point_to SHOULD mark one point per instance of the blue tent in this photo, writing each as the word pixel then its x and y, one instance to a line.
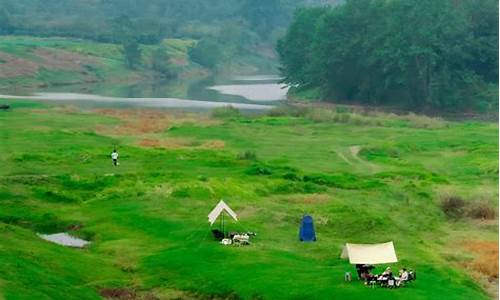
pixel 306 233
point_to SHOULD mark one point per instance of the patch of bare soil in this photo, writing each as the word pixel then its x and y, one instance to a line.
pixel 118 293
pixel 135 122
pixel 13 66
pixel 63 60
pixel 486 258
pixel 48 58
pixel 171 143
pixel 355 150
pixel 146 121
pixel 484 264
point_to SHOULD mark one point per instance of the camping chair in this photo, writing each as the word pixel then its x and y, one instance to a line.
pixel 391 283
pixel 218 235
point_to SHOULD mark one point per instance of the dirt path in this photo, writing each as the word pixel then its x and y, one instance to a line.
pixel 351 157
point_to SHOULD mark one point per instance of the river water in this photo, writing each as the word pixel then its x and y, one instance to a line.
pixel 258 92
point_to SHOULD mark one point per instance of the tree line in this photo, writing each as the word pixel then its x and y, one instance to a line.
pixel 423 54
pixel 224 28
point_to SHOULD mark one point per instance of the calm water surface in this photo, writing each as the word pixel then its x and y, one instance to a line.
pixel 258 92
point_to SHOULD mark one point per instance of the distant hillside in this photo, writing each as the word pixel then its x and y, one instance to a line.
pixel 28 61
pixel 233 33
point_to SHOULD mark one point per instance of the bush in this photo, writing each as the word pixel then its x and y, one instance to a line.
pixel 247 155
pixel 481 210
pixel 321 115
pixel 421 121
pixel 226 112
pixel 258 170
pixel 291 176
pixel 453 206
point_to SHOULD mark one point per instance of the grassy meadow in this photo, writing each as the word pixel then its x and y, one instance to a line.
pixel 363 177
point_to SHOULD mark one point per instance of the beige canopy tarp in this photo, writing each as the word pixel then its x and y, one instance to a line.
pixel 215 213
pixel 370 253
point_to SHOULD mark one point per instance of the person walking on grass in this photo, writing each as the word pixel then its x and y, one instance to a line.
pixel 114 157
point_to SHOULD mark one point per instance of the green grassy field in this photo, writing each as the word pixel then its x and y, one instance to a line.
pixel 363 178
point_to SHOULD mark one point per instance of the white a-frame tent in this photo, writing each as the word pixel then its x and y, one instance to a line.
pixel 219 210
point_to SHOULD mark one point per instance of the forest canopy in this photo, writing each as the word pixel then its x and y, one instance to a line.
pixel 422 54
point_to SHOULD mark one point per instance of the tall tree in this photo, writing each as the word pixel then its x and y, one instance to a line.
pixel 125 33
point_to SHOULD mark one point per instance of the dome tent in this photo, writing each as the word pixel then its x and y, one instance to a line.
pixel 306 232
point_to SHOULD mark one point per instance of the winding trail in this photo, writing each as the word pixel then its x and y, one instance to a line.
pixel 351 157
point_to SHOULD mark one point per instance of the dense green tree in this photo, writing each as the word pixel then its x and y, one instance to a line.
pixel 160 62
pixel 294 48
pixel 421 54
pixel 132 53
pixel 124 32
pixel 206 52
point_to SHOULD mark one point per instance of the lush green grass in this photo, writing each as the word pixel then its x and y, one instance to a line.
pixel 147 218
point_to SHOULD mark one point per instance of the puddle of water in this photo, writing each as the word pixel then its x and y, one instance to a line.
pixel 64 239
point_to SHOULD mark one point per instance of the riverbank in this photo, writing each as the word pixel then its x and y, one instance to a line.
pixel 313 98
pixel 364 178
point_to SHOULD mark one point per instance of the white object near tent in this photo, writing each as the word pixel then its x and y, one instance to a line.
pixel 218 210
pixel 371 254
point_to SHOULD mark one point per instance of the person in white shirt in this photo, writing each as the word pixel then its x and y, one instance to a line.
pixel 403 277
pixel 114 157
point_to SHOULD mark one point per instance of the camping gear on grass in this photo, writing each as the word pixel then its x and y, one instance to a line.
pixel 371 254
pixel 306 232
pixel 218 235
pixel 241 239
pixel 226 242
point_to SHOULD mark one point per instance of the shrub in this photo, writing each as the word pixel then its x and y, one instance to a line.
pixel 258 170
pixel 453 206
pixel 292 176
pixel 226 112
pixel 481 210
pixel 421 121
pixel 342 109
pixel 321 115
pixel 247 155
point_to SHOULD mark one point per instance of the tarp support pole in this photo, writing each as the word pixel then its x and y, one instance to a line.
pixel 223 224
